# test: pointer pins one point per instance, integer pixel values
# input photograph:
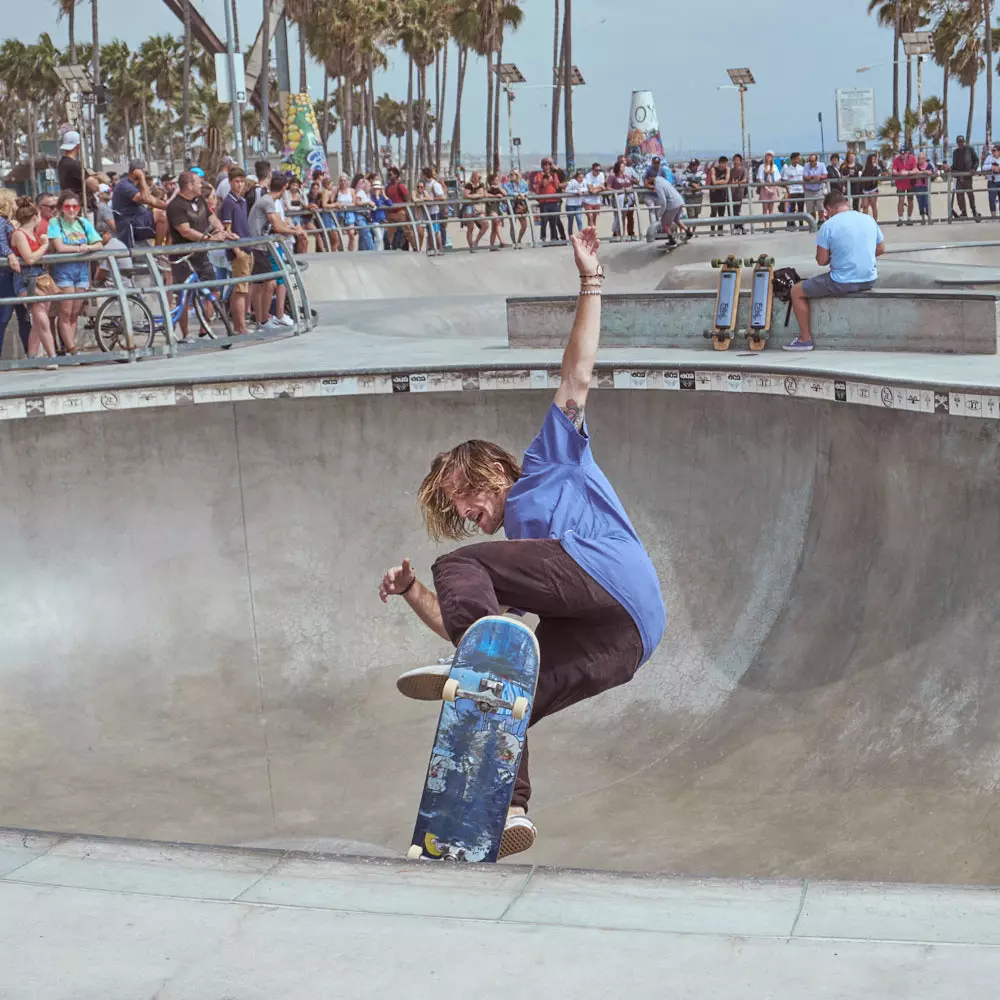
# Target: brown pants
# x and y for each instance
(588, 641)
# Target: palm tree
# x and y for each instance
(568, 83)
(557, 78)
(96, 54)
(967, 65)
(186, 86)
(988, 36)
(947, 33)
(465, 30)
(159, 56)
(901, 16)
(301, 12)
(67, 9)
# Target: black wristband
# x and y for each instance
(407, 587)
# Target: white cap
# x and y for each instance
(70, 139)
(104, 189)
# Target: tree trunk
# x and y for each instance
(186, 84)
(303, 83)
(568, 84)
(944, 107)
(440, 117)
(32, 125)
(348, 167)
(71, 17)
(495, 161)
(128, 134)
(557, 77)
(988, 32)
(341, 83)
(489, 109)
(325, 127)
(895, 64)
(437, 106)
(264, 81)
(972, 104)
(455, 159)
(94, 20)
(409, 125)
(147, 148)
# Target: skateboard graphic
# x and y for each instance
(727, 300)
(761, 301)
(484, 718)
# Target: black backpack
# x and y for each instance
(784, 279)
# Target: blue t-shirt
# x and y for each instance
(851, 239)
(563, 494)
(234, 211)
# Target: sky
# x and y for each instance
(678, 50)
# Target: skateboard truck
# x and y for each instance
(727, 300)
(488, 698)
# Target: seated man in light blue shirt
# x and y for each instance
(849, 242)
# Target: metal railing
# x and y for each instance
(123, 288)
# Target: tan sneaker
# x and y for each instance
(424, 683)
(518, 835)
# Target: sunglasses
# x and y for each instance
(67, 207)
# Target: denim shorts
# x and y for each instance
(24, 280)
(75, 274)
(345, 218)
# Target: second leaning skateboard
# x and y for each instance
(761, 301)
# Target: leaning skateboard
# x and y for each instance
(727, 300)
(761, 301)
(477, 748)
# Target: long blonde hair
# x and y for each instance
(8, 202)
(472, 466)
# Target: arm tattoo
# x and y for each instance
(574, 411)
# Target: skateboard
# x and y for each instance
(761, 301)
(727, 300)
(484, 718)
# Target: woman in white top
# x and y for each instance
(345, 202)
(768, 181)
(575, 189)
(594, 182)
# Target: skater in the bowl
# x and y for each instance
(572, 556)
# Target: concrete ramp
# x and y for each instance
(194, 649)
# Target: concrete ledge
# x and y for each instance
(914, 320)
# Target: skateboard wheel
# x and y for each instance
(748, 261)
(414, 852)
(450, 689)
(520, 709)
(716, 262)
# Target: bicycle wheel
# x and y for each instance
(109, 324)
(221, 325)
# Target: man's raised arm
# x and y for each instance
(581, 350)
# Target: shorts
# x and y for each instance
(669, 217)
(24, 280)
(76, 274)
(822, 286)
(242, 264)
(263, 262)
(179, 273)
(814, 202)
(345, 218)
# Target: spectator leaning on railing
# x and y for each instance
(545, 184)
(8, 208)
(267, 218)
(792, 176)
(849, 242)
(30, 279)
(964, 163)
(814, 177)
(904, 164)
(575, 188)
(71, 232)
(517, 188)
(991, 167)
(236, 220)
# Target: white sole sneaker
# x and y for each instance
(424, 683)
(518, 835)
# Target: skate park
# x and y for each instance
(810, 754)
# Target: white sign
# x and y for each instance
(856, 115)
(225, 95)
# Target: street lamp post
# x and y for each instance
(919, 44)
(509, 75)
(741, 79)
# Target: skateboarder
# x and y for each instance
(571, 556)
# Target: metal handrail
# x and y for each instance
(287, 269)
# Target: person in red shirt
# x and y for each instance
(46, 209)
(399, 195)
(547, 183)
(903, 166)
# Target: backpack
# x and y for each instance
(784, 279)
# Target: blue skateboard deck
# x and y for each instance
(477, 749)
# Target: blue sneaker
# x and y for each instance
(798, 345)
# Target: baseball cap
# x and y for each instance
(70, 139)
(104, 189)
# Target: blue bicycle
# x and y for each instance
(210, 308)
